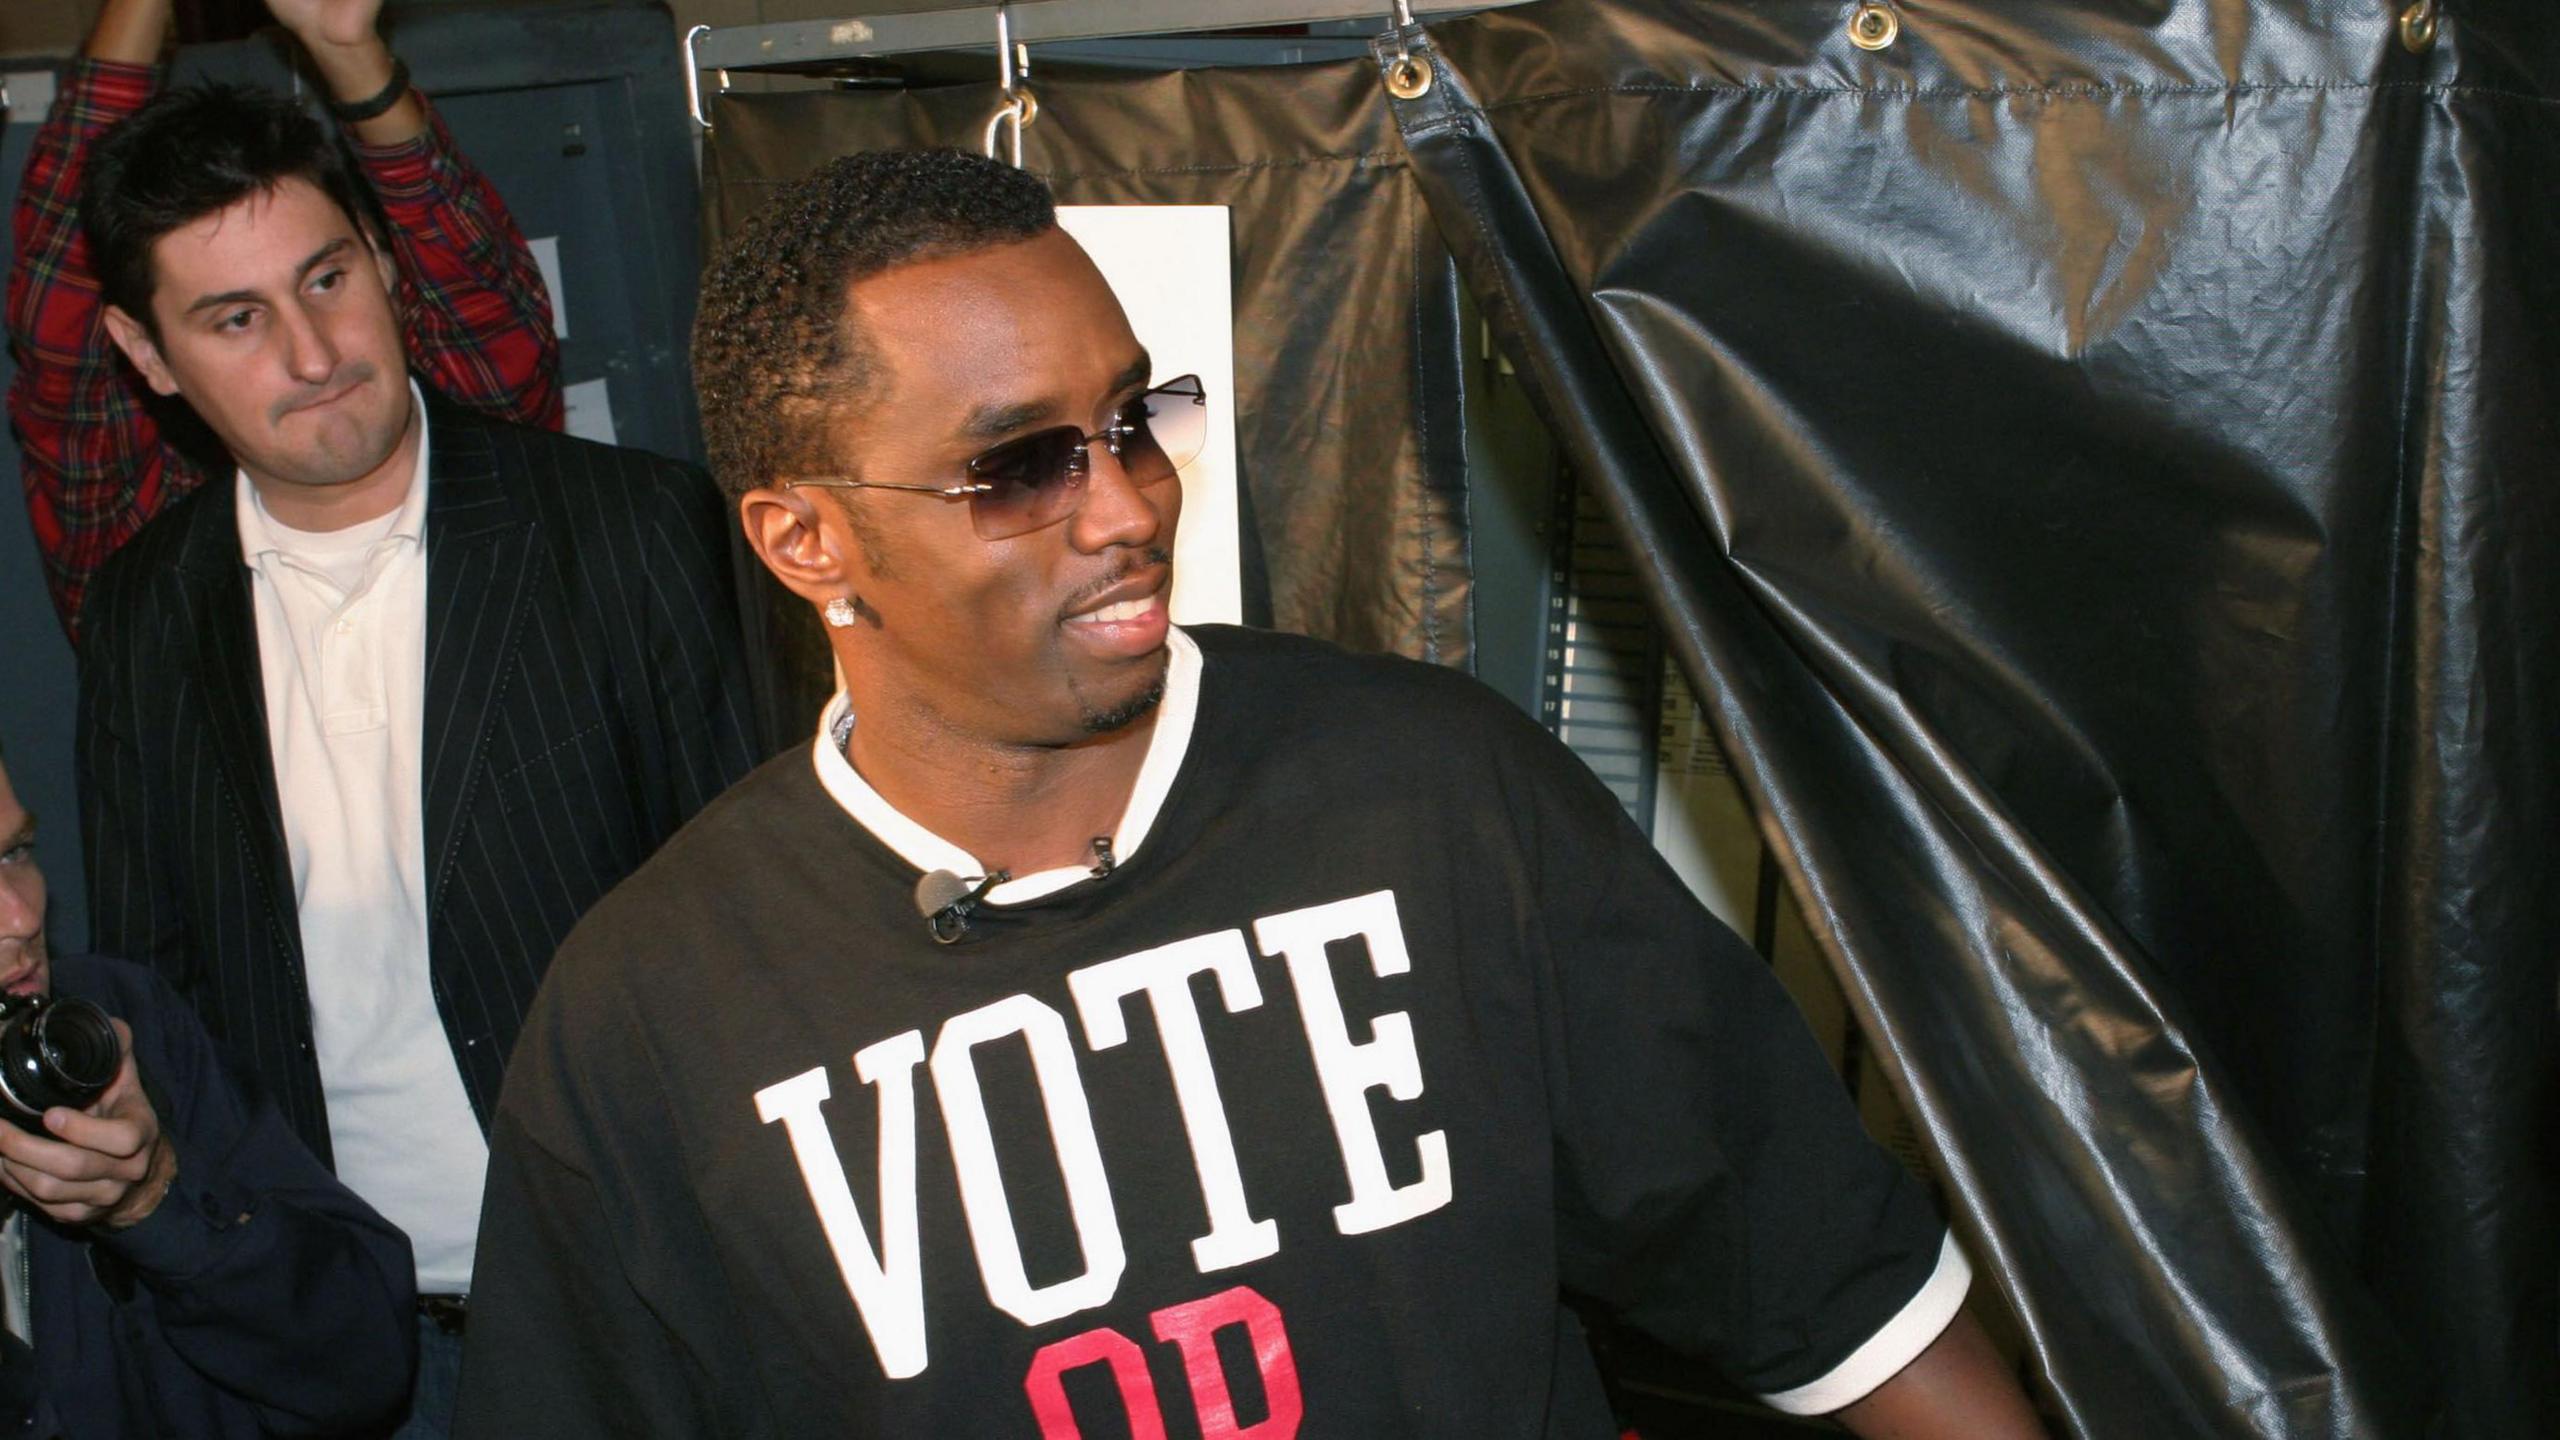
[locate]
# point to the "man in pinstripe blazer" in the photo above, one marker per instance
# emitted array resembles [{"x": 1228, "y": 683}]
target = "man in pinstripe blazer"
[{"x": 366, "y": 730}]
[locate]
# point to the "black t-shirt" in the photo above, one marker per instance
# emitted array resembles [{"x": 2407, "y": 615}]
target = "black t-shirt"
[{"x": 1393, "y": 1033}]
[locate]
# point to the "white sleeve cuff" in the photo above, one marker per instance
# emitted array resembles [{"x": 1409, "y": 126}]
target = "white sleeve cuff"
[{"x": 1899, "y": 1342}]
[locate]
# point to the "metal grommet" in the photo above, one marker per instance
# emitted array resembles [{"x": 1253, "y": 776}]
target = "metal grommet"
[
  {"x": 2418, "y": 26},
  {"x": 1408, "y": 77},
  {"x": 1874, "y": 26}
]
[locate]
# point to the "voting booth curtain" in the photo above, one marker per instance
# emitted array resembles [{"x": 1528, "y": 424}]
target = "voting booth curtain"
[{"x": 2100, "y": 465}]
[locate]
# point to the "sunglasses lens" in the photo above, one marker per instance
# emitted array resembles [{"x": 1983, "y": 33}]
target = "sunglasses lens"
[
  {"x": 1173, "y": 419},
  {"x": 1036, "y": 480},
  {"x": 1030, "y": 483}
]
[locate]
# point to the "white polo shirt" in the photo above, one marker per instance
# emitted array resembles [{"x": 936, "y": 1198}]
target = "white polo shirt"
[{"x": 342, "y": 646}]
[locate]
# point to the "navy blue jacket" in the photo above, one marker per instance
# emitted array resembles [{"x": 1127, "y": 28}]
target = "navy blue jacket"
[{"x": 261, "y": 1297}]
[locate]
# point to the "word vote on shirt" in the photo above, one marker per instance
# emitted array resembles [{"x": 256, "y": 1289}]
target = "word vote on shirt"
[{"x": 884, "y": 1274}]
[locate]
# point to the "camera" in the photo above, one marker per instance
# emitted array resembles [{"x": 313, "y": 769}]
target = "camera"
[{"x": 54, "y": 1050}]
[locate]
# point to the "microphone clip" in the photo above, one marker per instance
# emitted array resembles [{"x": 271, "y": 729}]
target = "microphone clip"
[{"x": 948, "y": 900}]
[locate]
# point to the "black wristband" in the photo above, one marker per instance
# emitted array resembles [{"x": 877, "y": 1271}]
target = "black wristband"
[{"x": 356, "y": 112}]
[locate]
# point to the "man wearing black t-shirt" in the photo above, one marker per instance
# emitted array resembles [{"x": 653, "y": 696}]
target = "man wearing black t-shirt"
[{"x": 1102, "y": 1028}]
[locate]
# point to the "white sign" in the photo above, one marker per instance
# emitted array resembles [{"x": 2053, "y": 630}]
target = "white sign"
[
  {"x": 1169, "y": 264},
  {"x": 546, "y": 257},
  {"x": 30, "y": 94},
  {"x": 590, "y": 405}
]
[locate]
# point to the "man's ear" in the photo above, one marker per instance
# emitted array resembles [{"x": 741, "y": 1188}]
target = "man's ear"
[
  {"x": 135, "y": 341},
  {"x": 789, "y": 529}
]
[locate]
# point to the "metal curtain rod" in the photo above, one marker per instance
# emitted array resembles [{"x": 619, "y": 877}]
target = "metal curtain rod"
[{"x": 804, "y": 42}]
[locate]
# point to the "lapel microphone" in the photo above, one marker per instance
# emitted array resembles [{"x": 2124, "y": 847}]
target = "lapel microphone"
[{"x": 946, "y": 901}]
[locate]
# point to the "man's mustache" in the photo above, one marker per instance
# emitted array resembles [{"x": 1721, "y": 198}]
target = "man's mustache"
[{"x": 1154, "y": 555}]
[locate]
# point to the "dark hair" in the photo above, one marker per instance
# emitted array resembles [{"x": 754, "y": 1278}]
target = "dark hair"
[
  {"x": 195, "y": 151},
  {"x": 774, "y": 345}
]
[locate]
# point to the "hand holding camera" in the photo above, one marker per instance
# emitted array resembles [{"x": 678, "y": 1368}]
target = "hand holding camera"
[{"x": 85, "y": 1147}]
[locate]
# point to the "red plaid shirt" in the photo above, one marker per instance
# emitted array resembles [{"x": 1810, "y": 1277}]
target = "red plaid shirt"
[{"x": 95, "y": 463}]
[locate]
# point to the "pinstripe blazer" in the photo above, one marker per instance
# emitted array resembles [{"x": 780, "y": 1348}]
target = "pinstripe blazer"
[{"x": 585, "y": 694}]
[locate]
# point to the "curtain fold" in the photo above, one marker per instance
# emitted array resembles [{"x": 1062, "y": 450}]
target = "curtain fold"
[{"x": 2097, "y": 461}]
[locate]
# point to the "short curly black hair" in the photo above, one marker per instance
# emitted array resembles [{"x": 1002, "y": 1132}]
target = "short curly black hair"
[{"x": 775, "y": 350}]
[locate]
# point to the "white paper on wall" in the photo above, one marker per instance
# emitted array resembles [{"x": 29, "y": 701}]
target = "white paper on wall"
[
  {"x": 1169, "y": 264},
  {"x": 30, "y": 95},
  {"x": 590, "y": 411},
  {"x": 546, "y": 256}
]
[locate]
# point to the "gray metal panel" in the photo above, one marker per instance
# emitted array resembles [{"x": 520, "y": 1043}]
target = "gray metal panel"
[
  {"x": 746, "y": 47},
  {"x": 37, "y": 680},
  {"x": 1512, "y": 475},
  {"x": 1601, "y": 669},
  {"x": 620, "y": 192},
  {"x": 563, "y": 156}
]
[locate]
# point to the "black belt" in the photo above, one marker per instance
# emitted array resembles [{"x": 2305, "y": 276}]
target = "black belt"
[{"x": 448, "y": 1312}]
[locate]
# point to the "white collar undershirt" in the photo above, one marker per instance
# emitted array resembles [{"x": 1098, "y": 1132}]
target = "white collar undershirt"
[{"x": 928, "y": 852}]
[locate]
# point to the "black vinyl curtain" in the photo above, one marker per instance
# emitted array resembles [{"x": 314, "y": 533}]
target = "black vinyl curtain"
[{"x": 2099, "y": 458}]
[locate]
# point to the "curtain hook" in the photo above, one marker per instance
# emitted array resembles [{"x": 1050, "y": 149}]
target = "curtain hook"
[
  {"x": 1408, "y": 74},
  {"x": 693, "y": 77},
  {"x": 1004, "y": 46},
  {"x": 1020, "y": 107},
  {"x": 1008, "y": 120}
]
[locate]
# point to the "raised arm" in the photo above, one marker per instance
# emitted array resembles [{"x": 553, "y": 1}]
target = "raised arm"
[
  {"x": 129, "y": 32},
  {"x": 478, "y": 322},
  {"x": 95, "y": 463}
]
